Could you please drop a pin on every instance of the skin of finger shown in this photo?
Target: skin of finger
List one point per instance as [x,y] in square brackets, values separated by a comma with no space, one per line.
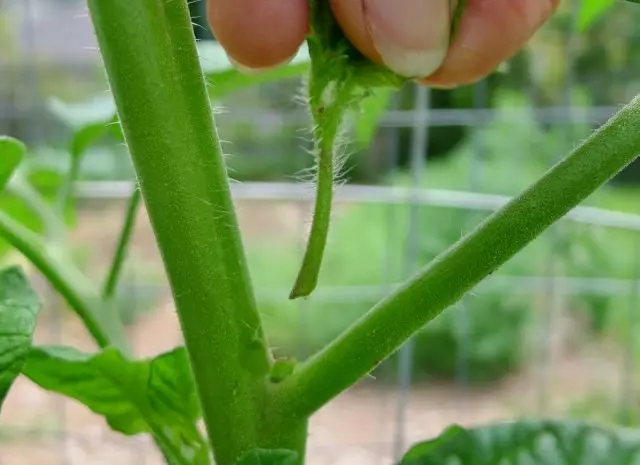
[351,18]
[259,33]
[490,32]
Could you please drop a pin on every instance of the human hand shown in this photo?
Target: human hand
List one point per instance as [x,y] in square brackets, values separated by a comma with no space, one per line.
[411,37]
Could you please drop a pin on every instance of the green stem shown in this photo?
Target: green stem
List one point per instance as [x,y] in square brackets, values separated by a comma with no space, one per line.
[327,119]
[150,56]
[69,283]
[307,279]
[66,191]
[457,9]
[447,278]
[54,227]
[111,283]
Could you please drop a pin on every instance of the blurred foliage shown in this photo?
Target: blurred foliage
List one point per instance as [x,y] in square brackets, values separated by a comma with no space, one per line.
[591,10]
[136,299]
[602,60]
[480,340]
[605,408]
[8,45]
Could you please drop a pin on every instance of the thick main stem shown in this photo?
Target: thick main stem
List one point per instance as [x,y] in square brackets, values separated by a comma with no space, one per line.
[446,279]
[151,60]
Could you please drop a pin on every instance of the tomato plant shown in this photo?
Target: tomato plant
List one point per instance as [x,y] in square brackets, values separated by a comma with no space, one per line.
[256,408]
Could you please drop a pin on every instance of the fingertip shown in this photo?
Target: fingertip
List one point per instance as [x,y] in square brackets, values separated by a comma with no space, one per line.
[490,32]
[397,33]
[259,34]
[351,18]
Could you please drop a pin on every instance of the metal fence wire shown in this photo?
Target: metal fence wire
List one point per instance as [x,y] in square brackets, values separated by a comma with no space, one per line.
[464,370]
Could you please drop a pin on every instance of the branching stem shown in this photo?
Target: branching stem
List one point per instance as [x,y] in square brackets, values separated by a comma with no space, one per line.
[449,276]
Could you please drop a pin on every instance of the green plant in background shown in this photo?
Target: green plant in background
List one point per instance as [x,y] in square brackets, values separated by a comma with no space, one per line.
[591,10]
[256,407]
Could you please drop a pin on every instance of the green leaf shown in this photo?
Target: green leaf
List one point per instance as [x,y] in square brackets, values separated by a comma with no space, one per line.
[46,179]
[90,121]
[529,442]
[93,119]
[224,79]
[270,457]
[155,396]
[591,10]
[11,154]
[19,308]
[28,199]
[78,115]
[373,108]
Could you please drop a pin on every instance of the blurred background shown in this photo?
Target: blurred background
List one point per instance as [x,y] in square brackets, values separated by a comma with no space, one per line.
[554,332]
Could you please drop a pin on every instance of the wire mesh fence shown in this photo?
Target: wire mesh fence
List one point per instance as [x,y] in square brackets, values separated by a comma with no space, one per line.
[554,333]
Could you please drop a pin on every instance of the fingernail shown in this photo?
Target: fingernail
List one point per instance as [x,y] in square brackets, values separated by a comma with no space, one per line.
[411,36]
[255,71]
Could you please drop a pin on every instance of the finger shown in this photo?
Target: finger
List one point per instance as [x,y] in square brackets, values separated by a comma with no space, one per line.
[490,32]
[259,34]
[410,37]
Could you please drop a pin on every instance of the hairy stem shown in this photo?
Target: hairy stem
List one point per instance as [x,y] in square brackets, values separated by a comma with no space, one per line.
[447,278]
[307,278]
[340,78]
[67,281]
[327,119]
[150,56]
[111,283]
